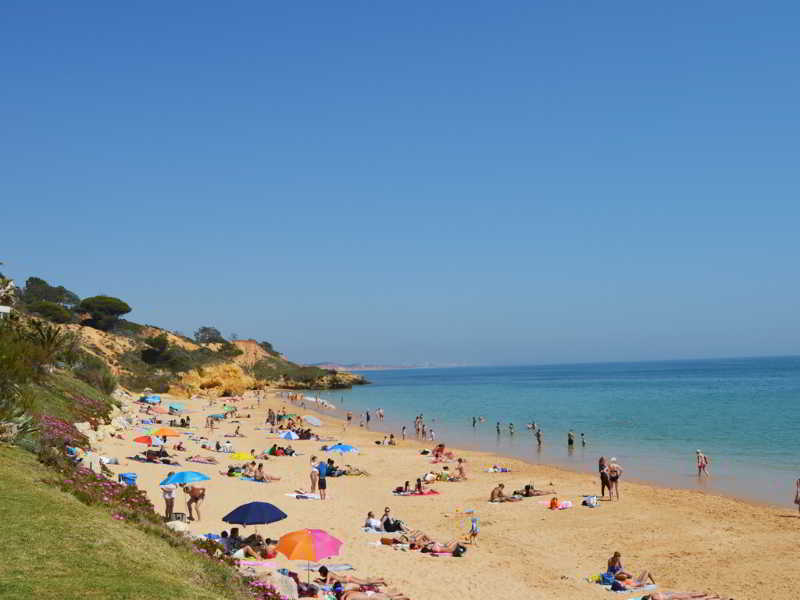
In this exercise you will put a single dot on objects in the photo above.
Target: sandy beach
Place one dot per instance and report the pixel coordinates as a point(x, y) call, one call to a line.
point(689, 540)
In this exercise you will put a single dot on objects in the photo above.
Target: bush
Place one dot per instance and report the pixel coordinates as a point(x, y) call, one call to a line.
point(158, 382)
point(51, 311)
point(105, 311)
point(95, 372)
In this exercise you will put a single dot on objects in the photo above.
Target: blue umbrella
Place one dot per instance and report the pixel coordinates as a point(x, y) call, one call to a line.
point(254, 513)
point(176, 406)
point(289, 435)
point(185, 477)
point(341, 448)
point(152, 399)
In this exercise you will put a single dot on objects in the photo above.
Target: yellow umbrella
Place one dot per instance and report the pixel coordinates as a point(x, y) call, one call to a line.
point(166, 432)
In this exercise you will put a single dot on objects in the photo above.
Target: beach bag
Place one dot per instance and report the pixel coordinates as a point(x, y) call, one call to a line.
point(459, 550)
point(590, 501)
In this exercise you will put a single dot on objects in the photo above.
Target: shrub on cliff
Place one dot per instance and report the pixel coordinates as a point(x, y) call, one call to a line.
point(105, 311)
point(208, 335)
point(51, 311)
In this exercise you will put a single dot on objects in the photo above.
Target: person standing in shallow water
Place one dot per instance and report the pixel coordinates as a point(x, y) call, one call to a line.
point(571, 438)
point(498, 428)
point(511, 428)
point(539, 436)
point(474, 422)
point(703, 464)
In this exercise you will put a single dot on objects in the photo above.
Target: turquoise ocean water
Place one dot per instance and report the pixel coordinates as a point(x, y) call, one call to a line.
point(652, 416)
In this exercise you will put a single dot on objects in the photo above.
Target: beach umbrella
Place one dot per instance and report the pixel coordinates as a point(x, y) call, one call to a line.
point(217, 417)
point(176, 406)
point(289, 435)
point(309, 545)
point(312, 420)
point(254, 513)
point(241, 456)
point(166, 432)
point(341, 448)
point(149, 440)
point(183, 477)
point(152, 399)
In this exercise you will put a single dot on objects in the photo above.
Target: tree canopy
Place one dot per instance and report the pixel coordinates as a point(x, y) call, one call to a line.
point(38, 290)
point(104, 311)
point(208, 335)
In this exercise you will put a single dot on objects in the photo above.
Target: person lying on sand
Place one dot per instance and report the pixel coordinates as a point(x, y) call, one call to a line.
point(330, 578)
point(682, 596)
point(498, 495)
point(641, 581)
point(436, 547)
point(529, 491)
point(260, 475)
point(359, 595)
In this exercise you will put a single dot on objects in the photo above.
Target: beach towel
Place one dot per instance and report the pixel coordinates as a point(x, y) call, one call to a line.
point(304, 496)
point(258, 563)
point(428, 493)
point(334, 568)
point(371, 530)
point(212, 536)
point(251, 479)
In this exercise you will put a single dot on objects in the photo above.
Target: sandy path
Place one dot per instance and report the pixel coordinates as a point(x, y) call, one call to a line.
point(688, 539)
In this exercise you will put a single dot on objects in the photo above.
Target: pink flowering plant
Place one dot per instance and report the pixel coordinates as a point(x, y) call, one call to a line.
point(127, 503)
point(57, 433)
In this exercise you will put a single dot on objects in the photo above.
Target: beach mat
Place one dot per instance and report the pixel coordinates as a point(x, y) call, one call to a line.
point(333, 568)
point(304, 496)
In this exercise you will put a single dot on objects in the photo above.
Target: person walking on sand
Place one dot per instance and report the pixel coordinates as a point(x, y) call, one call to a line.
point(403, 432)
point(169, 491)
point(703, 464)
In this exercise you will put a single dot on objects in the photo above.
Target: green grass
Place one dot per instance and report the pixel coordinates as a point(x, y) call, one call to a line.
point(55, 547)
point(55, 396)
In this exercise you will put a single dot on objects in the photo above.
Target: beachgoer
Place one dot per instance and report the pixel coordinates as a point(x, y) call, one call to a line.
point(614, 473)
point(169, 492)
point(314, 475)
point(539, 436)
point(703, 464)
point(474, 422)
point(498, 495)
point(331, 578)
point(681, 596)
point(604, 482)
point(616, 568)
point(389, 524)
point(196, 495)
point(372, 522)
point(322, 482)
point(583, 440)
point(498, 428)
point(797, 494)
point(367, 417)
point(571, 438)
point(261, 476)
point(349, 417)
point(511, 428)
point(403, 432)
point(460, 471)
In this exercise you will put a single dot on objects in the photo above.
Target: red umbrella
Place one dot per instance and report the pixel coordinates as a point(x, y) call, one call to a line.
point(149, 440)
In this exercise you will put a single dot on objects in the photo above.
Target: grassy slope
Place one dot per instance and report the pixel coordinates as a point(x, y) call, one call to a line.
point(56, 547)
point(54, 398)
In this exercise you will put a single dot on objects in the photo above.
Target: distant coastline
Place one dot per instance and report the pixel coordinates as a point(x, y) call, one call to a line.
point(369, 367)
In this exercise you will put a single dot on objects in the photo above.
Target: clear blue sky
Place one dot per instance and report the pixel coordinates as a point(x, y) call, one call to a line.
point(473, 182)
